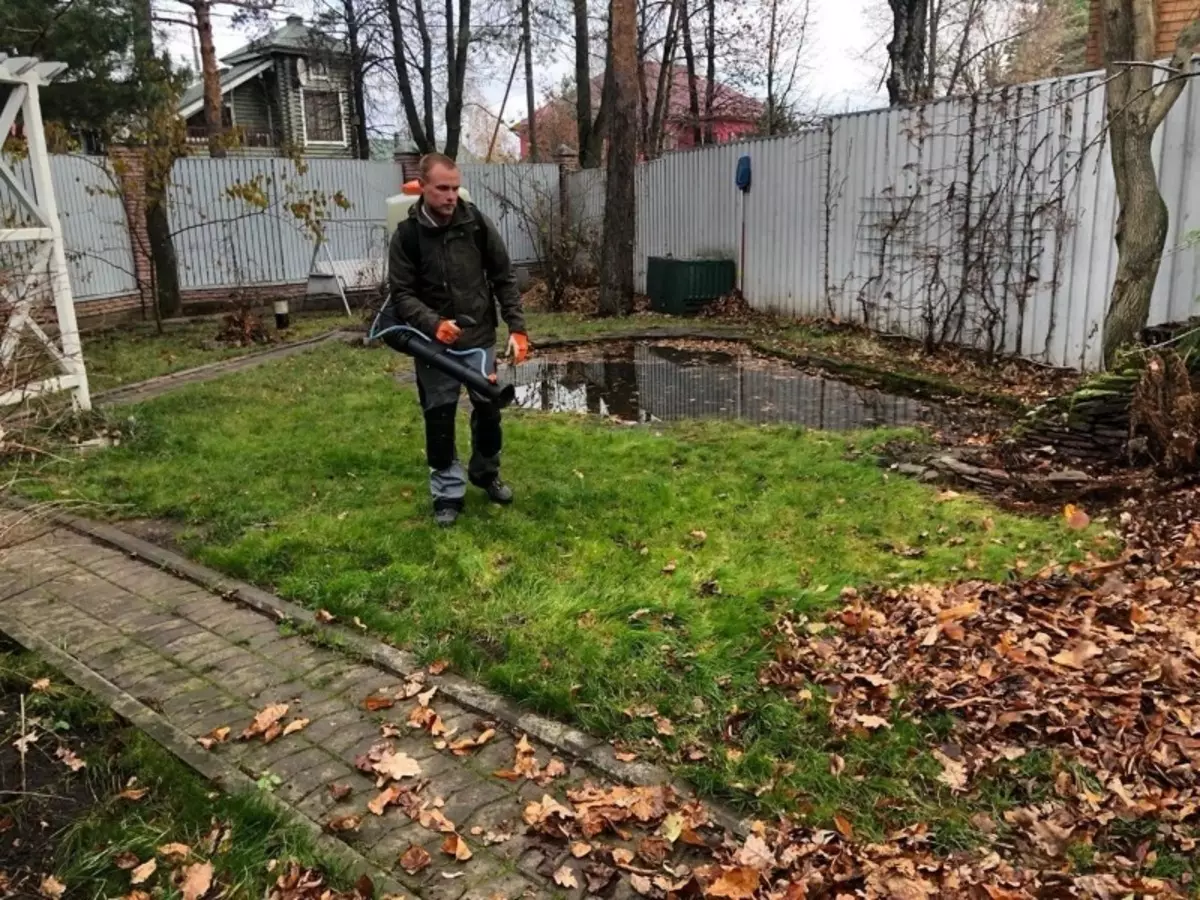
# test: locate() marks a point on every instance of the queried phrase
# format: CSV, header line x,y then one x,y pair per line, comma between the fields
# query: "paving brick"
x,y
318,778
251,680
501,818
507,886
466,802
202,608
204,696
356,681
228,713
191,647
218,659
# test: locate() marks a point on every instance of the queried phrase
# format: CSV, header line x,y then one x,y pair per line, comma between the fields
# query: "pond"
x,y
652,382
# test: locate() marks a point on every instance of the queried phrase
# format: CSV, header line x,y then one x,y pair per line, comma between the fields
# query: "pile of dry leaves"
x,y
1099,662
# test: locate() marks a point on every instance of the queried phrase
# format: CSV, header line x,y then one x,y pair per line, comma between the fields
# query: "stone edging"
x,y
160,384
564,739
184,748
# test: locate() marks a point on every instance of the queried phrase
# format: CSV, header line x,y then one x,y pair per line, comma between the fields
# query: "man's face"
x,y
440,190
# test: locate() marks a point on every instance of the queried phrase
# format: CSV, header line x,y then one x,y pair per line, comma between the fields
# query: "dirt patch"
x,y
41,794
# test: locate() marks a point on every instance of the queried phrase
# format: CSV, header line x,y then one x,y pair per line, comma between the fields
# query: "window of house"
x,y
323,122
318,69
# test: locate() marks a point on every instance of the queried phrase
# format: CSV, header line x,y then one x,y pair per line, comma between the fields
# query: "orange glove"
x,y
447,332
518,347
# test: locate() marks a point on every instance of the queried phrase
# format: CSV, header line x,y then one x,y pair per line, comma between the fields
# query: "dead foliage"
x,y
242,328
1164,414
1098,662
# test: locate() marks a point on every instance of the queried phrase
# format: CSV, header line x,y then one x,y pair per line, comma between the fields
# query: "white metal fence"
x,y
97,243
987,220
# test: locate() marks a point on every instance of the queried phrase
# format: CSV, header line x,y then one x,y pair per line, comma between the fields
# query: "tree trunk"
x,y
710,50
162,254
422,139
772,54
906,81
620,212
583,85
212,79
426,72
457,78
531,118
362,141
666,81
1135,110
643,98
689,54
593,155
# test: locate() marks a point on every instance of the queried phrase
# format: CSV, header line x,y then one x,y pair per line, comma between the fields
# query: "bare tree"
x,y
361,26
1051,40
620,211
1136,107
243,12
907,81
689,55
531,118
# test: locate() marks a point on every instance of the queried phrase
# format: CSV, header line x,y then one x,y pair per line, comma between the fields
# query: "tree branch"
x,y
1181,64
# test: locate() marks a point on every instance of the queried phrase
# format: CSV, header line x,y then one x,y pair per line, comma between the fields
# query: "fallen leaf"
x,y
174,853
387,798
580,849
954,772
653,850
396,766
41,685
294,726
1076,656
53,888
464,746
672,827
214,737
133,794
197,880
755,854
340,791
669,568
343,824
625,755
144,872
664,726
564,877
415,859
325,617
265,719
1077,519
641,884
126,860
699,536
455,846
68,758
734,883
845,829
872,722
377,703
272,733
435,820
439,666
837,765
554,769
426,698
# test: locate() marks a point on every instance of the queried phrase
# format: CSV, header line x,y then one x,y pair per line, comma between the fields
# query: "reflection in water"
x,y
647,383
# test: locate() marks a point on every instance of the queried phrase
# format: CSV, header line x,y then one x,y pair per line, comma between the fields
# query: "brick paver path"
x,y
203,662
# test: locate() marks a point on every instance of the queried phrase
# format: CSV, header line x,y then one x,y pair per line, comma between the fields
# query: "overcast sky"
x,y
843,55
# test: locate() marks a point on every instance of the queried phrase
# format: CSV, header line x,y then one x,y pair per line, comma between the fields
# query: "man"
x,y
447,261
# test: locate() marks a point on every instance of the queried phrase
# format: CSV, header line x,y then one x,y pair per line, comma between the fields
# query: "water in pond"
x,y
646,382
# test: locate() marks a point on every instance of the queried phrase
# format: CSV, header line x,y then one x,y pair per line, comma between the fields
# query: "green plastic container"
x,y
681,287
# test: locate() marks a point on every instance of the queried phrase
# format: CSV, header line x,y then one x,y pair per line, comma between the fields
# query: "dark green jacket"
x,y
453,278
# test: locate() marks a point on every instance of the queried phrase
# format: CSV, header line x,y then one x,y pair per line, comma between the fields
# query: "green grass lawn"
x,y
132,353
76,826
308,476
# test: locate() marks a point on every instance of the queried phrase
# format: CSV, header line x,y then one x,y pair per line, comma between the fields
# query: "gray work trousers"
x,y
439,401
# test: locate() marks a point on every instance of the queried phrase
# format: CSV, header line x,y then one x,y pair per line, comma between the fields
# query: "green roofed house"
x,y
290,88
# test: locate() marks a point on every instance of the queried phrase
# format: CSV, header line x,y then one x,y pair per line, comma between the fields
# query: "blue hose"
x,y
373,335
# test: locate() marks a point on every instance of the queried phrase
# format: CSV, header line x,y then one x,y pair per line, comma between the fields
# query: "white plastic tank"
x,y
399,205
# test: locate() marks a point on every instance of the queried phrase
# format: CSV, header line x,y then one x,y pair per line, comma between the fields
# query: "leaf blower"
x,y
406,339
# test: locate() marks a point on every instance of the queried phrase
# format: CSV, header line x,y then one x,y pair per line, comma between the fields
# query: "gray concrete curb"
x,y
568,741
154,387
222,775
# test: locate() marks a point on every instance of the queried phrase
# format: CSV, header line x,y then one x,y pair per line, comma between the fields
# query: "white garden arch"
x,y
37,240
